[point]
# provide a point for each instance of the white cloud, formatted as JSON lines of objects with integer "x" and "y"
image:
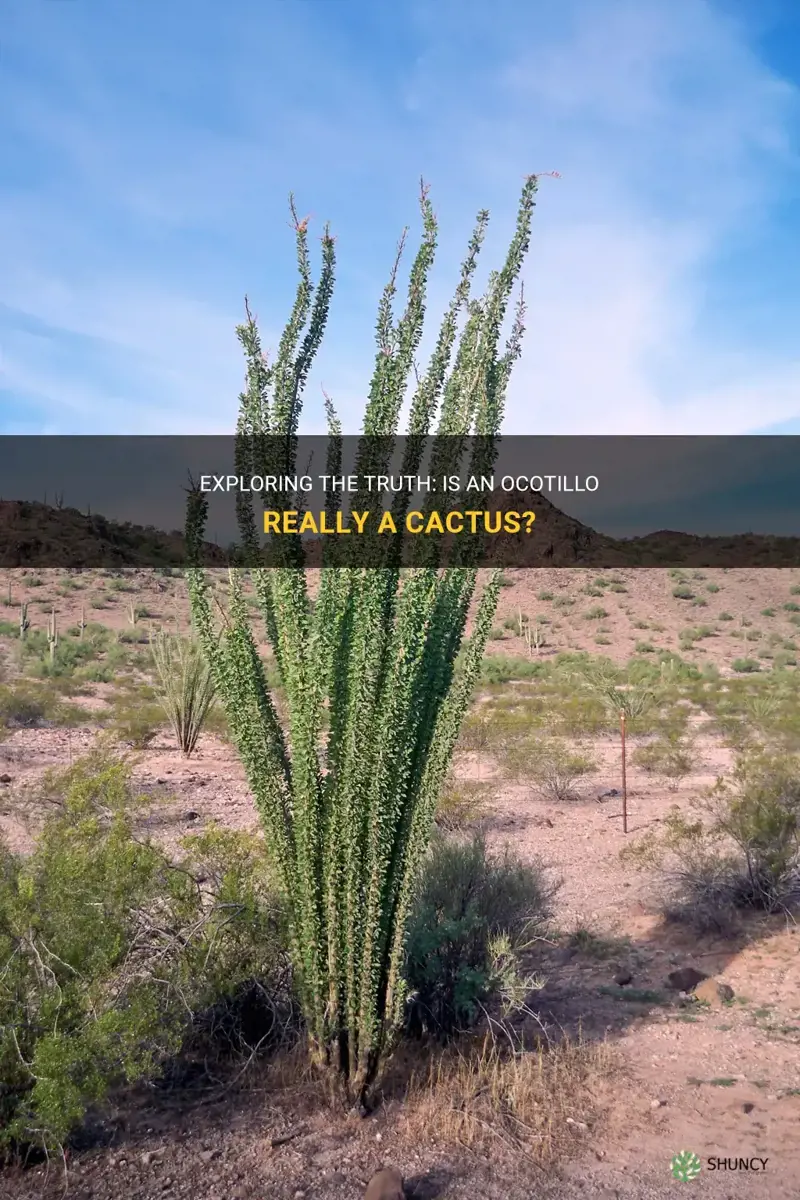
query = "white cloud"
{"x": 675, "y": 135}
{"x": 672, "y": 138}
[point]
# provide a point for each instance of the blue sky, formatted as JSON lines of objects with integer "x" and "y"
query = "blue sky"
{"x": 149, "y": 148}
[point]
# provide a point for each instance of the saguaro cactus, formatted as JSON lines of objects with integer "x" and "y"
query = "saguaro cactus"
{"x": 52, "y": 634}
{"x": 348, "y": 809}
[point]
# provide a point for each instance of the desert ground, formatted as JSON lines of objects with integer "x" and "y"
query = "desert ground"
{"x": 633, "y": 1070}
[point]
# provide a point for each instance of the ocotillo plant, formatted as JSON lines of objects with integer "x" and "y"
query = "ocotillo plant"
{"x": 627, "y": 705}
{"x": 347, "y": 791}
{"x": 187, "y": 688}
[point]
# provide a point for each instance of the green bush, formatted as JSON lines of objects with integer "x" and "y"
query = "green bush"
{"x": 745, "y": 666}
{"x": 474, "y": 914}
{"x": 503, "y": 668}
{"x": 669, "y": 755}
{"x": 136, "y": 722}
{"x": 758, "y": 809}
{"x": 106, "y": 948}
{"x": 461, "y": 804}
{"x": 27, "y": 705}
{"x": 551, "y": 764}
{"x": 741, "y": 853}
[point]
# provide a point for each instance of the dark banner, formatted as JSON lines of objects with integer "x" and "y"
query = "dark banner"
{"x": 522, "y": 501}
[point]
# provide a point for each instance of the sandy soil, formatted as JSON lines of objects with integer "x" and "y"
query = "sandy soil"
{"x": 720, "y": 1081}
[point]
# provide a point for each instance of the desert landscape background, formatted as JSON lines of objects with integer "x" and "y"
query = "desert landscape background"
{"x": 633, "y": 1069}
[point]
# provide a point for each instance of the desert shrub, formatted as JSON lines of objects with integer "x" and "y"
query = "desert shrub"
{"x": 27, "y": 705}
{"x": 492, "y": 727}
{"x": 503, "y": 668}
{"x": 133, "y": 637}
{"x": 95, "y": 673}
{"x": 576, "y": 713}
{"x": 187, "y": 689}
{"x": 22, "y": 707}
{"x": 107, "y": 950}
{"x": 136, "y": 722}
{"x": 745, "y": 666}
{"x": 740, "y": 853}
{"x": 669, "y": 755}
{"x": 474, "y": 914}
{"x": 461, "y": 804}
{"x": 696, "y": 633}
{"x": 758, "y": 809}
{"x": 551, "y": 764}
{"x": 477, "y": 732}
{"x": 683, "y": 592}
{"x": 701, "y": 894}
{"x": 69, "y": 654}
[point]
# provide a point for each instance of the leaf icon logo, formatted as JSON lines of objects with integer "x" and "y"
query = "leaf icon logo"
{"x": 685, "y": 1166}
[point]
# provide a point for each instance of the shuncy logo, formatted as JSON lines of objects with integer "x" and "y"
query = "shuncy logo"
{"x": 685, "y": 1166}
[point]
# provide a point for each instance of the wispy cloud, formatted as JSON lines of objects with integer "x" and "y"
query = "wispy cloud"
{"x": 151, "y": 150}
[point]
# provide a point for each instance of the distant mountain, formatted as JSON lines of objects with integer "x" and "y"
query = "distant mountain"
{"x": 38, "y": 535}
